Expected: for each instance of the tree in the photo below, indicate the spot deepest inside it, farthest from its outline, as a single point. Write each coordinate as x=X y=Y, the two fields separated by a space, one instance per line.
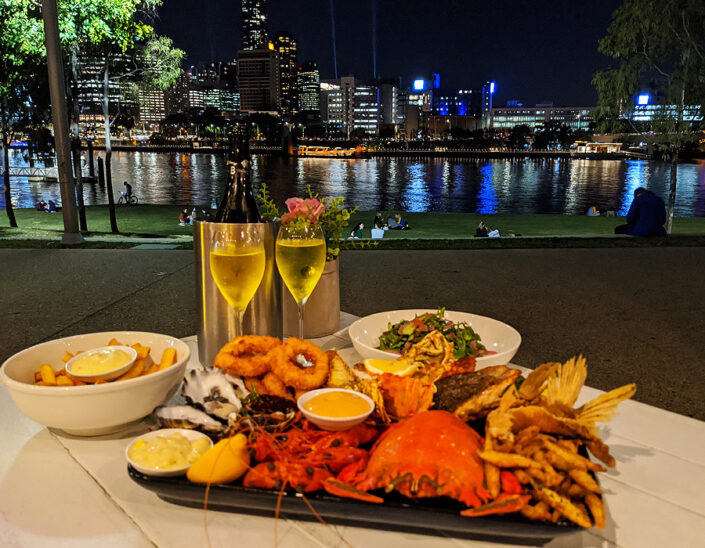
x=20 y=55
x=117 y=34
x=659 y=43
x=518 y=136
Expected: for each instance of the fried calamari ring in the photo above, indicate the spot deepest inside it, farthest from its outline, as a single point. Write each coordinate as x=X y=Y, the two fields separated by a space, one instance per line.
x=287 y=368
x=274 y=386
x=246 y=356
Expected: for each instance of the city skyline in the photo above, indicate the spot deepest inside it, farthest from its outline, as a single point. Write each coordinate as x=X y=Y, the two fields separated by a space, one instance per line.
x=541 y=51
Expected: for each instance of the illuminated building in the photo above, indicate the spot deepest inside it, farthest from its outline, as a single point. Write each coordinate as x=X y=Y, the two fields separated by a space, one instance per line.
x=350 y=107
x=487 y=94
x=649 y=107
x=258 y=80
x=152 y=107
x=389 y=118
x=254 y=23
x=285 y=46
x=536 y=117
x=464 y=102
x=90 y=90
x=309 y=87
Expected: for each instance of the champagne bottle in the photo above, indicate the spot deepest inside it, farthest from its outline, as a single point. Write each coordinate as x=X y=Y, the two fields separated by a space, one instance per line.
x=238 y=204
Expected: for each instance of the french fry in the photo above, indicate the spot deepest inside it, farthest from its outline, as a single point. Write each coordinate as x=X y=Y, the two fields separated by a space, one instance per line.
x=522 y=476
x=584 y=479
x=576 y=491
x=47 y=374
x=114 y=342
x=168 y=358
x=63 y=380
x=526 y=435
x=67 y=356
x=564 y=506
x=539 y=511
x=597 y=509
x=567 y=460
x=492 y=474
x=142 y=351
x=506 y=460
x=135 y=371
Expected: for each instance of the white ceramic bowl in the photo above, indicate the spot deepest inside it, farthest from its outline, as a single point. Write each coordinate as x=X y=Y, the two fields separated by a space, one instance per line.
x=188 y=434
x=334 y=424
x=92 y=410
x=495 y=335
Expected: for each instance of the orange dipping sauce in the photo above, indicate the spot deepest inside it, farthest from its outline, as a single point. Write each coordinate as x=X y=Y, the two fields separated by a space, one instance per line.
x=337 y=405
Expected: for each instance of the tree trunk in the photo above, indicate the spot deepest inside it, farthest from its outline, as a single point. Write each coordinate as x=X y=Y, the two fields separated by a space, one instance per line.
x=76 y=147
x=672 y=193
x=6 y=162
x=108 y=147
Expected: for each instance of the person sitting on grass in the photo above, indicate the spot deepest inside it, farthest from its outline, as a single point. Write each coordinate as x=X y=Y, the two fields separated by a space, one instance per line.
x=646 y=215
x=51 y=208
x=593 y=211
x=481 y=231
x=493 y=233
x=378 y=222
x=397 y=223
x=41 y=205
x=356 y=232
x=184 y=218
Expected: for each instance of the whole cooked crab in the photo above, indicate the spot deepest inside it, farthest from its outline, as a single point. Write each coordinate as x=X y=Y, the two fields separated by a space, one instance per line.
x=431 y=454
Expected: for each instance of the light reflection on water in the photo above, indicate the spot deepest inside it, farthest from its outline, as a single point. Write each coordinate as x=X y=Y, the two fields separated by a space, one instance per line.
x=520 y=186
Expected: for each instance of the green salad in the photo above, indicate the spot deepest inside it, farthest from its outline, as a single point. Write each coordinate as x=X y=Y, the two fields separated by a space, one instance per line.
x=401 y=336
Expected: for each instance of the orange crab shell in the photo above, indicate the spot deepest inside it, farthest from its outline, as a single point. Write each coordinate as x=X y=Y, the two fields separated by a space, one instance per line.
x=431 y=454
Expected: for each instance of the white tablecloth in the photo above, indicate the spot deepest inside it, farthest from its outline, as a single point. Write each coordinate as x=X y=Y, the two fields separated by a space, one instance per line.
x=57 y=490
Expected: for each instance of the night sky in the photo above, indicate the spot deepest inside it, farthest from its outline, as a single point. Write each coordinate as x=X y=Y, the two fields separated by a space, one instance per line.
x=536 y=50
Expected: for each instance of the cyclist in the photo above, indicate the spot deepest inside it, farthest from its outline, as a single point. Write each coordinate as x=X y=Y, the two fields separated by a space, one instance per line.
x=128 y=192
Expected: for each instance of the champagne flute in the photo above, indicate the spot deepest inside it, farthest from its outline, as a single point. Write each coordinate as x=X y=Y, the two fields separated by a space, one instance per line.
x=237 y=261
x=301 y=257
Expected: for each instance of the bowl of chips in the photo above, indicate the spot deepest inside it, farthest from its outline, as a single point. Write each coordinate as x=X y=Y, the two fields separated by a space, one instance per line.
x=47 y=393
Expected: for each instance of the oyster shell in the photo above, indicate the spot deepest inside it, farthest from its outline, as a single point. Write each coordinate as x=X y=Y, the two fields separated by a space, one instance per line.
x=210 y=390
x=185 y=416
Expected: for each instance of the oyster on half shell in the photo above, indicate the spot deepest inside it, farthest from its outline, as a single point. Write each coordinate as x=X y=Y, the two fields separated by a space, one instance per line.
x=211 y=391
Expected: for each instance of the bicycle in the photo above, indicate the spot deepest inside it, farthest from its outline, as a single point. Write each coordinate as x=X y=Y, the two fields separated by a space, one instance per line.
x=128 y=201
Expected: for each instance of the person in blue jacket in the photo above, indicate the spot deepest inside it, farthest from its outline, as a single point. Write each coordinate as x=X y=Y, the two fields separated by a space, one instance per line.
x=646 y=215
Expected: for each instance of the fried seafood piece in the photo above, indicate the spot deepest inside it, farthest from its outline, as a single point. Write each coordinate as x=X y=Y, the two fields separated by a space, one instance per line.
x=247 y=356
x=340 y=376
x=432 y=356
x=286 y=364
x=471 y=396
x=274 y=386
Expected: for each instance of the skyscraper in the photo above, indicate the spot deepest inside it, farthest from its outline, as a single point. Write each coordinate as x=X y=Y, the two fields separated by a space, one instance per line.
x=285 y=46
x=254 y=23
x=309 y=85
x=258 y=80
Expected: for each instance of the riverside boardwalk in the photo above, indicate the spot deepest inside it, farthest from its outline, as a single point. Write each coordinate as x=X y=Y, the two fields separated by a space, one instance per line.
x=634 y=312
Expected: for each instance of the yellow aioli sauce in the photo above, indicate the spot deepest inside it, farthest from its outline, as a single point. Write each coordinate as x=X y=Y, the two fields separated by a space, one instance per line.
x=167 y=452
x=337 y=405
x=100 y=362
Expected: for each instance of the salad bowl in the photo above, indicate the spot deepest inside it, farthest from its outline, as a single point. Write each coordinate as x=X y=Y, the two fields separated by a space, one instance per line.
x=501 y=340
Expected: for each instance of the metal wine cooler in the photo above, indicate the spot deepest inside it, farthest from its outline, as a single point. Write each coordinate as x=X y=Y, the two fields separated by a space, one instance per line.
x=216 y=325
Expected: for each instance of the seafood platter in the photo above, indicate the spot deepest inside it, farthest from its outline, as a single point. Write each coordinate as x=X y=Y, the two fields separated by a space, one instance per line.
x=425 y=438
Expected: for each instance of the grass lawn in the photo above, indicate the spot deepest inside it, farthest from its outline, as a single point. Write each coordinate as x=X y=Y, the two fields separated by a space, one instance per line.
x=145 y=221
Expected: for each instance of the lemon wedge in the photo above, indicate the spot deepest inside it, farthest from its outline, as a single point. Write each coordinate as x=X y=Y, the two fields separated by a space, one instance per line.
x=396 y=367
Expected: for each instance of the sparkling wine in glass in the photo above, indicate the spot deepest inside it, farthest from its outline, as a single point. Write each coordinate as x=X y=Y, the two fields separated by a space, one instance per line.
x=237 y=261
x=301 y=257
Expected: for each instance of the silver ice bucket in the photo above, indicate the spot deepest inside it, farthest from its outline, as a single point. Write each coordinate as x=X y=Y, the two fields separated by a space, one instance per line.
x=216 y=318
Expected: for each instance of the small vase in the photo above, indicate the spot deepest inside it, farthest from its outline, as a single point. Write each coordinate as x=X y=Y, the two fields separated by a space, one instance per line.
x=322 y=311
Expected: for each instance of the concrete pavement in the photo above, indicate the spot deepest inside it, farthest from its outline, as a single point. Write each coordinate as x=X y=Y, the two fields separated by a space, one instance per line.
x=635 y=313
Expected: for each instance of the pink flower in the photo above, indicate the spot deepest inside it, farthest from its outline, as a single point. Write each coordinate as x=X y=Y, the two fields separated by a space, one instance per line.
x=310 y=209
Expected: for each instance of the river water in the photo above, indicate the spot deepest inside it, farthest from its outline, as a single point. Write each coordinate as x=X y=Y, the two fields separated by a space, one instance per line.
x=518 y=186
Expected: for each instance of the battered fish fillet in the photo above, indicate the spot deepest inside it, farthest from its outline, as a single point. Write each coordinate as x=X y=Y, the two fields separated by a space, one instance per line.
x=471 y=396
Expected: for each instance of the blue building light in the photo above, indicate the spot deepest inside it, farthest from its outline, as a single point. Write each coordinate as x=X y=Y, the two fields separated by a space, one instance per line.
x=643 y=99
x=418 y=85
x=491 y=87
